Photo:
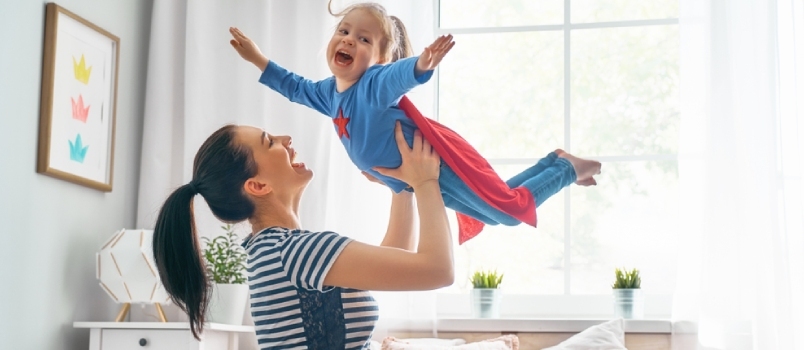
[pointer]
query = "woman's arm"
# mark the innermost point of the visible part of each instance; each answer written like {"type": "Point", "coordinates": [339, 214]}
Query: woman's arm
{"type": "Point", "coordinates": [401, 232]}
{"type": "Point", "coordinates": [431, 266]}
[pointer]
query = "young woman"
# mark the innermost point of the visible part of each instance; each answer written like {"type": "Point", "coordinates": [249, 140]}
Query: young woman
{"type": "Point", "coordinates": [307, 289]}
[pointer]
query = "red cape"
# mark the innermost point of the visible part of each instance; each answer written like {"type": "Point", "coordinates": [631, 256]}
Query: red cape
{"type": "Point", "coordinates": [475, 171]}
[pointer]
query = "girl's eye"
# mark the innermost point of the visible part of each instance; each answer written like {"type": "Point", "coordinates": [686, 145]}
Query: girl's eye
{"type": "Point", "coordinates": [344, 32]}
{"type": "Point", "coordinates": [364, 40]}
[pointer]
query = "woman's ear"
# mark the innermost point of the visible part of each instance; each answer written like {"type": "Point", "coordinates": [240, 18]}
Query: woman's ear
{"type": "Point", "coordinates": [256, 188]}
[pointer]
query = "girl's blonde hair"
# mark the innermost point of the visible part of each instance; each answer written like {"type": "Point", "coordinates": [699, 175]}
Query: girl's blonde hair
{"type": "Point", "coordinates": [395, 44]}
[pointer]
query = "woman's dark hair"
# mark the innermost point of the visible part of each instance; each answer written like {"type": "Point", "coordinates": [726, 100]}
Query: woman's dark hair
{"type": "Point", "coordinates": [403, 45]}
{"type": "Point", "coordinates": [220, 169]}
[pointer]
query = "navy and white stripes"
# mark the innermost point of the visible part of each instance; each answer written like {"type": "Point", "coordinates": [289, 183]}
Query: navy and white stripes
{"type": "Point", "coordinates": [289, 303]}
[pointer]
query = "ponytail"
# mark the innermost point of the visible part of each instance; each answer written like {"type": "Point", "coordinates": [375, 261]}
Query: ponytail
{"type": "Point", "coordinates": [403, 47]}
{"type": "Point", "coordinates": [178, 257]}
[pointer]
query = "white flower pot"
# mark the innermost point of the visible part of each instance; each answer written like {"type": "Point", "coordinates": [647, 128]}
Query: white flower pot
{"type": "Point", "coordinates": [486, 302]}
{"type": "Point", "coordinates": [629, 303]}
{"type": "Point", "coordinates": [227, 303]}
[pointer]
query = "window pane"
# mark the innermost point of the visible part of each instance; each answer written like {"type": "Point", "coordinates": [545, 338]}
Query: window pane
{"type": "Point", "coordinates": [500, 13]}
{"type": "Point", "coordinates": [531, 258]}
{"type": "Point", "coordinates": [624, 98]}
{"type": "Point", "coordinates": [504, 93]}
{"type": "Point", "coordinates": [585, 11]}
{"type": "Point", "coordinates": [629, 220]}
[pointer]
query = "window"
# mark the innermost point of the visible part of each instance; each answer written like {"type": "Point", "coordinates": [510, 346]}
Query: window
{"type": "Point", "coordinates": [598, 78]}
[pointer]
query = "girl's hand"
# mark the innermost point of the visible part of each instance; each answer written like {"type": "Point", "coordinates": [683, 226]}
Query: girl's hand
{"type": "Point", "coordinates": [247, 48]}
{"type": "Point", "coordinates": [433, 54]}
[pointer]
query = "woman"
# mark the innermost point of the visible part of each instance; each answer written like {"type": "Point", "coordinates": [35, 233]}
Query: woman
{"type": "Point", "coordinates": [307, 289]}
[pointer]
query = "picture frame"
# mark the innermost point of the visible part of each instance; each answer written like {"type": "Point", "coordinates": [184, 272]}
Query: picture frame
{"type": "Point", "coordinates": [78, 100]}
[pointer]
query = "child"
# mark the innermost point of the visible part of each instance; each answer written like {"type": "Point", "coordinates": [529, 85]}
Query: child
{"type": "Point", "coordinates": [371, 72]}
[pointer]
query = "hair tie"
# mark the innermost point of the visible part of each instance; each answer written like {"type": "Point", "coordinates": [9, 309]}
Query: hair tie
{"type": "Point", "coordinates": [192, 186]}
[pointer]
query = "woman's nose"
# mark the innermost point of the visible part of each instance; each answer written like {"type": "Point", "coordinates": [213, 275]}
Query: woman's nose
{"type": "Point", "coordinates": [287, 140]}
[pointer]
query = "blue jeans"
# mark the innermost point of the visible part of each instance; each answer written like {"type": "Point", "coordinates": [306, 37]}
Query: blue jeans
{"type": "Point", "coordinates": [544, 179]}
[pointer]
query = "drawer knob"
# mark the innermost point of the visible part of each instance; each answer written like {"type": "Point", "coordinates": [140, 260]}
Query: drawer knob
{"type": "Point", "coordinates": [143, 342]}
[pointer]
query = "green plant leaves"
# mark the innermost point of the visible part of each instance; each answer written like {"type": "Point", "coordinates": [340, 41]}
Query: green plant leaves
{"type": "Point", "coordinates": [225, 258]}
{"type": "Point", "coordinates": [626, 279]}
{"type": "Point", "coordinates": [486, 279]}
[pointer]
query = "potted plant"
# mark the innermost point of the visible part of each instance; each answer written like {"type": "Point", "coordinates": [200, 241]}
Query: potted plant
{"type": "Point", "coordinates": [628, 298]}
{"type": "Point", "coordinates": [486, 295]}
{"type": "Point", "coordinates": [226, 266]}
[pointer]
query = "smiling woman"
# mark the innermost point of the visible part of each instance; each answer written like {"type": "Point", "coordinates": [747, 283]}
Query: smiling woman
{"type": "Point", "coordinates": [245, 173]}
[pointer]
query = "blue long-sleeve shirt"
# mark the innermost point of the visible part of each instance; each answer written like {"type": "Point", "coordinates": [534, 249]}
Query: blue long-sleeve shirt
{"type": "Point", "coordinates": [364, 116]}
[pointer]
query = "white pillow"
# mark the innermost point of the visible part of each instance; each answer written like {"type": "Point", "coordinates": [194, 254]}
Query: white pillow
{"type": "Point", "coordinates": [504, 342]}
{"type": "Point", "coordinates": [375, 345]}
{"type": "Point", "coordinates": [605, 336]}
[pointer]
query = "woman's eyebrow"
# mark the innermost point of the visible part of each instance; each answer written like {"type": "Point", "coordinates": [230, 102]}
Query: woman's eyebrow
{"type": "Point", "coordinates": [262, 138]}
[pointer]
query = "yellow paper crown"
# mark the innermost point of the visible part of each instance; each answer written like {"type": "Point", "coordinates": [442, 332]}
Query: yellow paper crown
{"type": "Point", "coordinates": [81, 71]}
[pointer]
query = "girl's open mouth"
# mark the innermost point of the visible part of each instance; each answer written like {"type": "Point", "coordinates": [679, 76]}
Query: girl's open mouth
{"type": "Point", "coordinates": [342, 58]}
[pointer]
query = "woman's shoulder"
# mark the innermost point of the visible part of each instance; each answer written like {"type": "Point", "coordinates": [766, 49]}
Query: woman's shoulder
{"type": "Point", "coordinates": [276, 235]}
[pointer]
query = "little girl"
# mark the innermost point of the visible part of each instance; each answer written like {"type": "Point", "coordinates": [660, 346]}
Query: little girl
{"type": "Point", "coordinates": [368, 57]}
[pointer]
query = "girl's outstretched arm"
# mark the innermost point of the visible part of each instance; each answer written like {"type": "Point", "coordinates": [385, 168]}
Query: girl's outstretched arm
{"type": "Point", "coordinates": [247, 48]}
{"type": "Point", "coordinates": [433, 54]}
{"type": "Point", "coordinates": [294, 87]}
{"type": "Point", "coordinates": [387, 83]}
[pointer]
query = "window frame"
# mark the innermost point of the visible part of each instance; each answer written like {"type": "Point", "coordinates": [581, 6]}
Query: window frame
{"type": "Point", "coordinates": [567, 305]}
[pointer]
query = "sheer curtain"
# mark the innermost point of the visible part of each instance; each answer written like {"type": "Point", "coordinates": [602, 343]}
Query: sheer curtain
{"type": "Point", "coordinates": [741, 273]}
{"type": "Point", "coordinates": [197, 83]}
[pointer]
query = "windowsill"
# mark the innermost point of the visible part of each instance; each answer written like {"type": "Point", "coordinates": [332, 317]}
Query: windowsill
{"type": "Point", "coordinates": [533, 325]}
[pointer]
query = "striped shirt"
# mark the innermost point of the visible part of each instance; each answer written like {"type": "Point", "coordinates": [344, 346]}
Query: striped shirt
{"type": "Point", "coordinates": [291, 307]}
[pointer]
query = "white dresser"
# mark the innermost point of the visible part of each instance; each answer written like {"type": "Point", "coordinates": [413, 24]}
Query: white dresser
{"type": "Point", "coordinates": [158, 336]}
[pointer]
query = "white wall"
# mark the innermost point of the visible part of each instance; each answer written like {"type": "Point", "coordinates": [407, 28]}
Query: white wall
{"type": "Point", "coordinates": [49, 228]}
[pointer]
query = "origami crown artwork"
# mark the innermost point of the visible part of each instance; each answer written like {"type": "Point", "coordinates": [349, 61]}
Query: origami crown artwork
{"type": "Point", "coordinates": [77, 149]}
{"type": "Point", "coordinates": [81, 70]}
{"type": "Point", "coordinates": [80, 112]}
{"type": "Point", "coordinates": [126, 271]}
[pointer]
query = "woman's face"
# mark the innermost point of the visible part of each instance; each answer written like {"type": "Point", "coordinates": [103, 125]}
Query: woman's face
{"type": "Point", "coordinates": [276, 167]}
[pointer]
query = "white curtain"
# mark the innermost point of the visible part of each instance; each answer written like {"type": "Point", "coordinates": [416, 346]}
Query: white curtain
{"type": "Point", "coordinates": [197, 83]}
{"type": "Point", "coordinates": [741, 273]}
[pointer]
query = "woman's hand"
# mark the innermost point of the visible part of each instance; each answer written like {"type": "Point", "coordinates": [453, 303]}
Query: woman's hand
{"type": "Point", "coordinates": [247, 48]}
{"type": "Point", "coordinates": [433, 54]}
{"type": "Point", "coordinates": [420, 164]}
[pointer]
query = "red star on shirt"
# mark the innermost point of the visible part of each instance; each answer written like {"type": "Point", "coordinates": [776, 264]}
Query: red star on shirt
{"type": "Point", "coordinates": [341, 122]}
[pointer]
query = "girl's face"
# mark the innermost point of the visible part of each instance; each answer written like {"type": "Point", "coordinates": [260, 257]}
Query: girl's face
{"type": "Point", "coordinates": [355, 45]}
{"type": "Point", "coordinates": [276, 167]}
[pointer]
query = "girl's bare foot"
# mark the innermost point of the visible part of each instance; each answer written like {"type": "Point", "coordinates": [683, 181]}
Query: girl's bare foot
{"type": "Point", "coordinates": [585, 169]}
